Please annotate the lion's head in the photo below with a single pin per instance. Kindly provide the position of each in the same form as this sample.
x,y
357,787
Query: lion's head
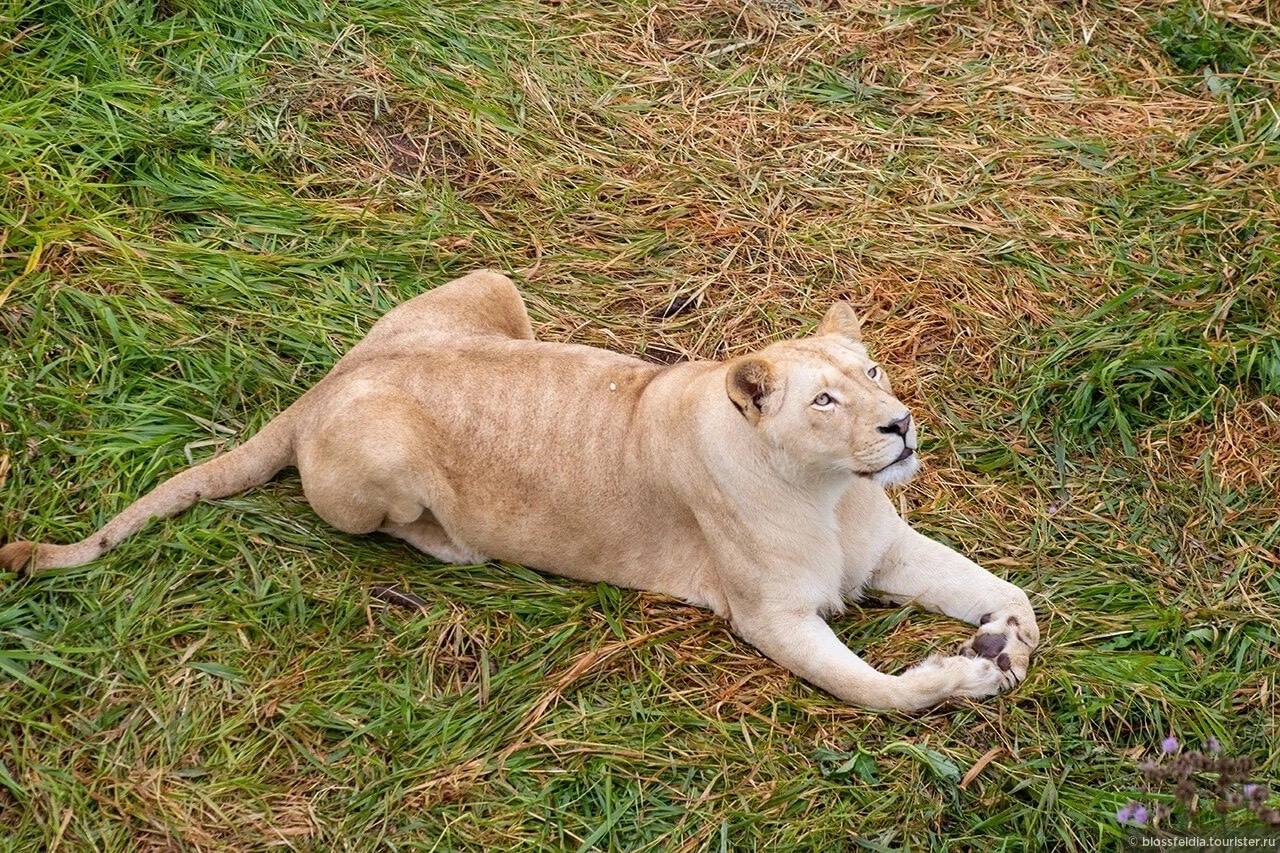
x,y
825,404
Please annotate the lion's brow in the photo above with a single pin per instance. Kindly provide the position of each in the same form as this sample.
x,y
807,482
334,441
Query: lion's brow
x,y
853,373
808,348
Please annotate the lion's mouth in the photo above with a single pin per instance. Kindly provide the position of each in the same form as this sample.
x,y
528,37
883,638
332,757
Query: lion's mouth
x,y
907,453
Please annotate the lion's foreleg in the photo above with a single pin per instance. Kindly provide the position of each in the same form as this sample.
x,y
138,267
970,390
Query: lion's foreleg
x,y
807,646
933,576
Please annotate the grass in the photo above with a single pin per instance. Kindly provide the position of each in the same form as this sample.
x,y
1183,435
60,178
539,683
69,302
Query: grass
x,y
1060,221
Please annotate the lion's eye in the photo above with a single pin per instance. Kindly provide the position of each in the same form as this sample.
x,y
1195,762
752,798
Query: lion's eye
x,y
873,371
823,400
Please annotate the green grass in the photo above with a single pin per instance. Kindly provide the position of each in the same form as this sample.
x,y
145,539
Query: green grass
x,y
1060,221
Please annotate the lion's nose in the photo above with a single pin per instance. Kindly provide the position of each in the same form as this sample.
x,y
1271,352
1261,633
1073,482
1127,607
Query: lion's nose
x,y
900,426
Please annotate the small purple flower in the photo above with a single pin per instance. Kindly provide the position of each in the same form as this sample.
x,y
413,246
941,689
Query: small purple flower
x,y
1250,790
1134,813
1212,745
1169,745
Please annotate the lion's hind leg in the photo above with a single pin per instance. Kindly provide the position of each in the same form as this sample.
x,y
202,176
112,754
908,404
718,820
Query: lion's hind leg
x,y
481,304
427,535
365,460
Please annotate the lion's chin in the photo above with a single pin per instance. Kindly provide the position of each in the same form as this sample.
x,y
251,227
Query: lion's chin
x,y
897,473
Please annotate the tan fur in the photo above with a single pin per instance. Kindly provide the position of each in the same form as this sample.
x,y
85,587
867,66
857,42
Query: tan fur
x,y
734,486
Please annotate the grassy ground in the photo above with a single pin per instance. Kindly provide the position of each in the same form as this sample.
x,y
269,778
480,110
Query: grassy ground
x,y
1062,224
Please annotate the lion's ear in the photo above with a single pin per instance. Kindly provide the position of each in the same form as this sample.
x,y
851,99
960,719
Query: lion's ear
x,y
750,380
841,320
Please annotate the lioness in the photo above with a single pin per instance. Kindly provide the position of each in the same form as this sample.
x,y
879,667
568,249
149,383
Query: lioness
x,y
753,487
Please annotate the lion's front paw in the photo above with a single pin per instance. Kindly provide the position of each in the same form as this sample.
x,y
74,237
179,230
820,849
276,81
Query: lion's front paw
x,y
941,678
1007,642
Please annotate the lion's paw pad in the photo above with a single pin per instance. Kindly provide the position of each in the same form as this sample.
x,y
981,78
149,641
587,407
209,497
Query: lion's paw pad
x,y
1006,643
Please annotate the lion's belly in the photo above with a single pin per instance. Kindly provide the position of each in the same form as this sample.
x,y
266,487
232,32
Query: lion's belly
x,y
626,543
590,548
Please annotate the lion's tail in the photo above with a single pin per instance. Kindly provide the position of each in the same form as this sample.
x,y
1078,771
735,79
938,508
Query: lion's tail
x,y
251,464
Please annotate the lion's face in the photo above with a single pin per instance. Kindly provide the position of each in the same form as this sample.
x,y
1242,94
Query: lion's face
x,y
826,405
